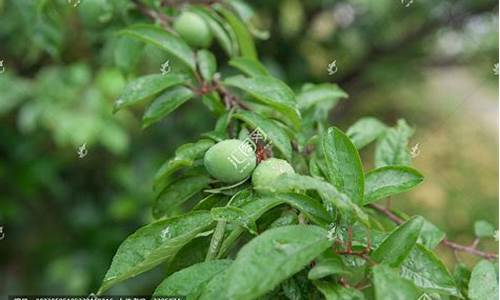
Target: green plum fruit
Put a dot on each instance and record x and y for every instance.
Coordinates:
(230, 160)
(267, 172)
(193, 29)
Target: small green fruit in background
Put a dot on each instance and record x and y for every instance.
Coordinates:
(267, 171)
(193, 29)
(230, 160)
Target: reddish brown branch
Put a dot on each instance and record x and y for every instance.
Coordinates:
(452, 245)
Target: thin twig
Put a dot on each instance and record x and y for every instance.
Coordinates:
(454, 246)
(153, 15)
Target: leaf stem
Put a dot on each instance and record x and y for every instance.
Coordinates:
(452, 245)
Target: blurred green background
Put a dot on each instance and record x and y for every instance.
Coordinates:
(430, 62)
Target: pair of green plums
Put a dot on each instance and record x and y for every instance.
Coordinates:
(234, 160)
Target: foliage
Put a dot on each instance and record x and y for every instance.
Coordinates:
(64, 67)
(255, 248)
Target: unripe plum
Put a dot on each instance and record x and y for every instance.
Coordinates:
(267, 172)
(193, 29)
(230, 160)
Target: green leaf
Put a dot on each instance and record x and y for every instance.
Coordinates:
(245, 41)
(389, 285)
(483, 229)
(344, 169)
(399, 243)
(146, 86)
(310, 207)
(275, 133)
(127, 53)
(234, 215)
(483, 284)
(427, 272)
(461, 274)
(270, 91)
(217, 27)
(153, 244)
(391, 180)
(315, 94)
(249, 66)
(333, 291)
(288, 217)
(157, 36)
(256, 207)
(329, 263)
(269, 259)
(365, 131)
(206, 64)
(179, 192)
(392, 147)
(430, 235)
(185, 155)
(165, 104)
(189, 281)
(213, 101)
(328, 193)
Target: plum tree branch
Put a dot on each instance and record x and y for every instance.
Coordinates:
(454, 246)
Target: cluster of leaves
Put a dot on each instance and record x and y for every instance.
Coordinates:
(322, 240)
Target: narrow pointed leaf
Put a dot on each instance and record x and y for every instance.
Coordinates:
(320, 93)
(269, 259)
(167, 41)
(391, 180)
(250, 67)
(153, 244)
(344, 169)
(206, 64)
(389, 285)
(275, 133)
(234, 215)
(245, 40)
(427, 272)
(365, 131)
(270, 91)
(328, 264)
(327, 192)
(430, 235)
(392, 149)
(188, 282)
(179, 192)
(399, 243)
(185, 156)
(146, 86)
(165, 104)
